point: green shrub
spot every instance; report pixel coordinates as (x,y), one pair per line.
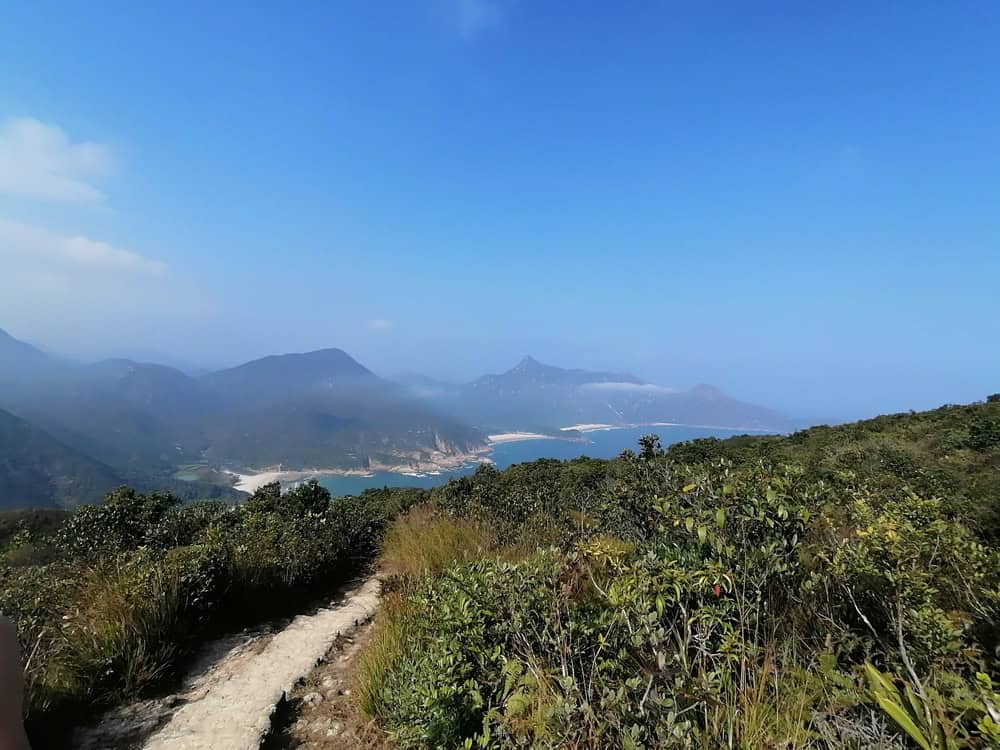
(909,583)
(713,595)
(109,604)
(123,522)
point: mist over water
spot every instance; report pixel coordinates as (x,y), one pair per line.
(600,444)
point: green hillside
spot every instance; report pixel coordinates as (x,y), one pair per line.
(38,470)
(839,587)
(836,588)
(145,421)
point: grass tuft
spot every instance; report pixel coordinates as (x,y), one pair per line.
(426,541)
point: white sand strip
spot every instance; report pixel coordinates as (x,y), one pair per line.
(251,482)
(510,437)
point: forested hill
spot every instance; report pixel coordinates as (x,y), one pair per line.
(151,423)
(38,470)
(324,409)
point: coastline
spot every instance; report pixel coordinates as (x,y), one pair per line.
(250,479)
(632,425)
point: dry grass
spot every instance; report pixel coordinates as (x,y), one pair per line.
(421,543)
(119,639)
(425,542)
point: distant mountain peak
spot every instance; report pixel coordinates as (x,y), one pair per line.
(280,377)
(530,370)
(330,361)
(527,363)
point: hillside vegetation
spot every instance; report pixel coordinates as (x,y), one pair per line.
(110,599)
(839,587)
(836,588)
(38,470)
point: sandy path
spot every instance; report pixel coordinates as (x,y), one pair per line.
(233,688)
(230,706)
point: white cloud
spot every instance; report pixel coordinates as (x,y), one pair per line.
(30,246)
(471,17)
(38,160)
(379,325)
(80,294)
(636,387)
(73,291)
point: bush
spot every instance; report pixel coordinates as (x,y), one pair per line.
(123,522)
(712,595)
(108,604)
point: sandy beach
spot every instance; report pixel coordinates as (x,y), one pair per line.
(249,480)
(587,427)
(510,437)
(598,426)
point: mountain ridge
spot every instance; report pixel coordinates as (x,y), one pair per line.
(545,398)
(149,422)
(298,371)
(530,370)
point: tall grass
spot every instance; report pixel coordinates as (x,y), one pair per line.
(425,542)
(386,648)
(124,635)
(120,636)
(421,543)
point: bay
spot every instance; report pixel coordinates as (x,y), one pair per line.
(598,444)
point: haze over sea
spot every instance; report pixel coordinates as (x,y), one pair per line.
(599,444)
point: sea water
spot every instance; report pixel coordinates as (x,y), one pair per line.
(598,444)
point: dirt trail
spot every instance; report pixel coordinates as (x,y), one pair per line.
(228,703)
(321,713)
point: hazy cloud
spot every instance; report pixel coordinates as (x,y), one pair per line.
(31,246)
(39,161)
(636,387)
(471,17)
(379,324)
(81,295)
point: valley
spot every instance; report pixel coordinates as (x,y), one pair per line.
(293,416)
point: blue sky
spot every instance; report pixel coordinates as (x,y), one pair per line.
(797,202)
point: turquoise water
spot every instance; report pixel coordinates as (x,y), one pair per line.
(600,444)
